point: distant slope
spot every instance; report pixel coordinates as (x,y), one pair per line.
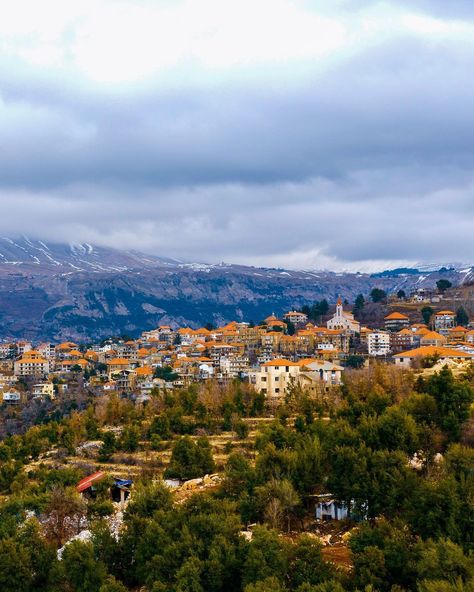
(58,291)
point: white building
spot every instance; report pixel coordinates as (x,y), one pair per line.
(444,320)
(328,508)
(274,377)
(43,389)
(11,396)
(343,320)
(378,343)
(32,363)
(295,317)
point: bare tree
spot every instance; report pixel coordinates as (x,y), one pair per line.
(65,513)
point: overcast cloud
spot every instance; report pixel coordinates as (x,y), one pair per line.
(335,134)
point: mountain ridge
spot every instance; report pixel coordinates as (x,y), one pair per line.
(81,292)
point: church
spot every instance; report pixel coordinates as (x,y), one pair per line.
(343,320)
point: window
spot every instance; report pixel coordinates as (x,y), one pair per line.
(264,379)
(277,390)
(277,378)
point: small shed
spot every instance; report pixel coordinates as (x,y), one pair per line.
(328,508)
(121,490)
(86,485)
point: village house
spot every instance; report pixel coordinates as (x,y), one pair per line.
(444,354)
(378,343)
(401,341)
(32,363)
(274,377)
(22,347)
(299,319)
(316,372)
(457,334)
(433,338)
(396,321)
(47,350)
(11,396)
(42,390)
(444,320)
(7,350)
(117,365)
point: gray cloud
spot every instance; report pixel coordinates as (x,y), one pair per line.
(368,157)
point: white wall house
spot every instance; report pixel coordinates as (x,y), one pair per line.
(378,343)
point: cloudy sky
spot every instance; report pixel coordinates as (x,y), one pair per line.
(307,134)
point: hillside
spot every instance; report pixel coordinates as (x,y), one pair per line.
(59,291)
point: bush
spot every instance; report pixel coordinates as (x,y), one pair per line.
(190,459)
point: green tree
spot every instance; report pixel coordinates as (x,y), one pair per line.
(359,304)
(278,500)
(445,586)
(443,560)
(188,578)
(462,317)
(323,307)
(41,554)
(270,584)
(165,373)
(401,294)
(148,499)
(453,399)
(160,426)
(81,569)
(130,439)
(267,556)
(443,285)
(112,585)
(377,295)
(109,446)
(427,312)
(15,567)
(354,361)
(307,565)
(370,570)
(239,475)
(190,459)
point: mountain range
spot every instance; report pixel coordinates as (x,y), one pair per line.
(83,291)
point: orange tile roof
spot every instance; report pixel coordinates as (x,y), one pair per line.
(396,316)
(307,361)
(280,362)
(118,362)
(433,335)
(66,345)
(445,312)
(422,331)
(432,350)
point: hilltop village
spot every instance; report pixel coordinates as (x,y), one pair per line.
(309,348)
